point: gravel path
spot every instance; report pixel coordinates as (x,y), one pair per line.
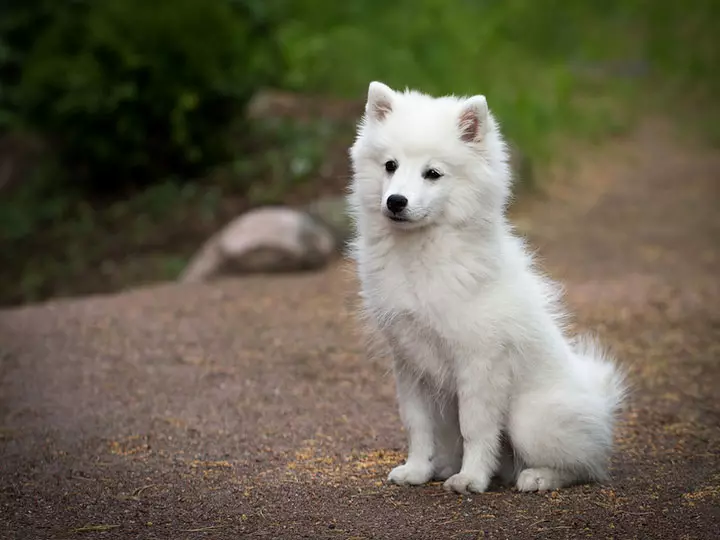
(248,408)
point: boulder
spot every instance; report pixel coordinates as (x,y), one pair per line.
(270,239)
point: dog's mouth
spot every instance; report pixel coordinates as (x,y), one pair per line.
(404,220)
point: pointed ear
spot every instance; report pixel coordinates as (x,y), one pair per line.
(473,121)
(379,101)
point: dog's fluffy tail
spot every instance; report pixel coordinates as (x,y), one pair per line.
(602,372)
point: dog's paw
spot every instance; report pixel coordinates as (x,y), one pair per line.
(540,479)
(465,483)
(412,474)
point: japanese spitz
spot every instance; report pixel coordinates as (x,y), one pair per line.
(488,382)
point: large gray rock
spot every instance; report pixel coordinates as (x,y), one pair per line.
(271,239)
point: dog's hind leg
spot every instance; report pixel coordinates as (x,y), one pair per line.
(560,439)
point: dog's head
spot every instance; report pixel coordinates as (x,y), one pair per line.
(419,160)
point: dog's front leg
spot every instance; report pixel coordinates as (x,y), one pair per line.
(416,414)
(482,395)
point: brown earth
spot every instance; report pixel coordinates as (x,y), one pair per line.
(248,408)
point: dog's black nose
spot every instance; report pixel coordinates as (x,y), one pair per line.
(396,203)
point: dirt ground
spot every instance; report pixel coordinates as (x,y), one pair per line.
(249,409)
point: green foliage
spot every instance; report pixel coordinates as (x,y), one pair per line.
(682,40)
(133,91)
(531,58)
(293,153)
(20,22)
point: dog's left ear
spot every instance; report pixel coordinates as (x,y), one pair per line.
(473,119)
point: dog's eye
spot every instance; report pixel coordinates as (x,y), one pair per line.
(391,166)
(432,174)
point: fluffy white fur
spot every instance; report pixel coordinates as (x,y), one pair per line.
(488,383)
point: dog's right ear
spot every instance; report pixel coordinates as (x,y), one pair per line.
(379,101)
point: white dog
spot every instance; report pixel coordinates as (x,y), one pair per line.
(487,381)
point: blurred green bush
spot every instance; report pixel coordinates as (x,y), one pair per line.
(134,91)
(130,91)
(531,58)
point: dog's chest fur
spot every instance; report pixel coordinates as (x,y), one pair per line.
(414,305)
(420,348)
